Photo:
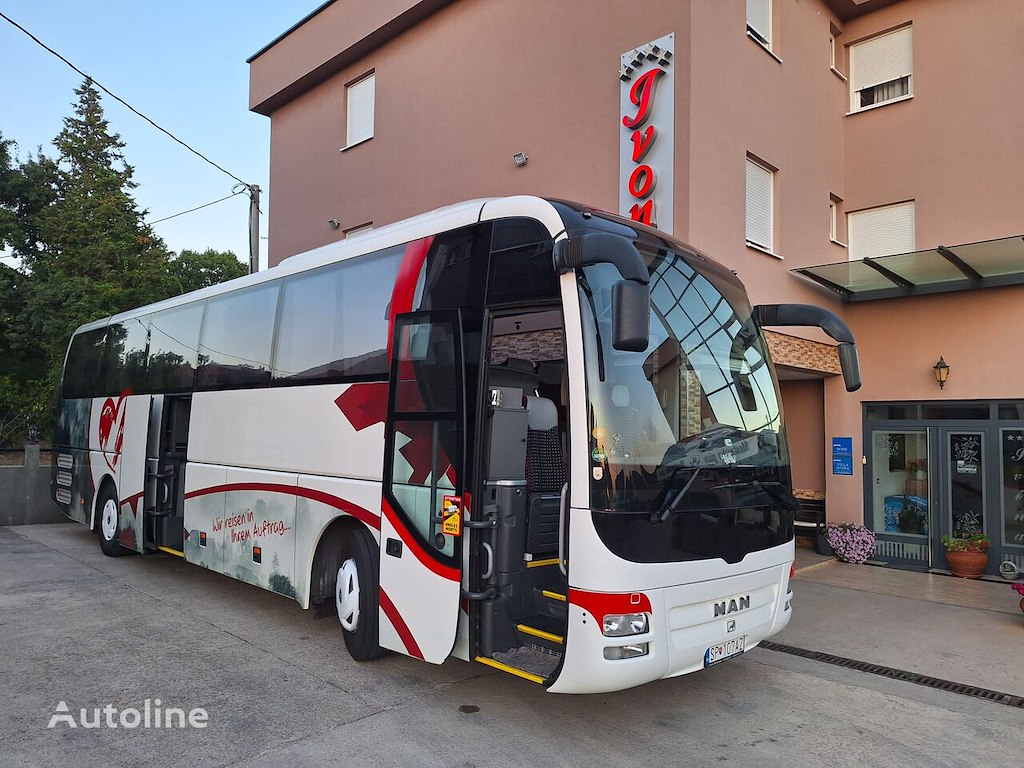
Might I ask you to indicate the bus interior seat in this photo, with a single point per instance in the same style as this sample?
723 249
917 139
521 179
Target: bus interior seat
545 476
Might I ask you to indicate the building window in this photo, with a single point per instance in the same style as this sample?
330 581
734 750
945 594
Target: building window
835 51
362 229
360 111
759 21
881 69
760 205
835 205
881 231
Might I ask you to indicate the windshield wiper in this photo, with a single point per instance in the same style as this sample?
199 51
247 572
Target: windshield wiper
672 500
773 488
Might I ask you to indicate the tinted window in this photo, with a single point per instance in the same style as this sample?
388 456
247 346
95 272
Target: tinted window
84 368
237 335
173 344
126 356
334 321
521 268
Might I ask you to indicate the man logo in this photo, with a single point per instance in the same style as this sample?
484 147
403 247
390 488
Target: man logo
730 625
731 606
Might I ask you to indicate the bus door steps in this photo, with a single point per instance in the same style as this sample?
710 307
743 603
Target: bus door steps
551 602
545 631
529 662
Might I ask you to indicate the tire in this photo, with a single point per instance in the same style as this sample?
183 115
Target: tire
108 509
355 595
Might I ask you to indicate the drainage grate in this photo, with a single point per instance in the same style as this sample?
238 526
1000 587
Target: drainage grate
899 674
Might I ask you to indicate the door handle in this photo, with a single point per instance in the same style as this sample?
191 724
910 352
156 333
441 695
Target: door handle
562 501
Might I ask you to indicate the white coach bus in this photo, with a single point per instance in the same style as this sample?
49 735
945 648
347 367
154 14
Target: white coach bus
514 431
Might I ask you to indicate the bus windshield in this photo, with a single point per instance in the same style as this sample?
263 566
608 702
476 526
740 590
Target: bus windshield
691 424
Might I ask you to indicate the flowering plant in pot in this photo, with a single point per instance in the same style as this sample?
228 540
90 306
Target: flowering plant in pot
852 542
967 555
1018 587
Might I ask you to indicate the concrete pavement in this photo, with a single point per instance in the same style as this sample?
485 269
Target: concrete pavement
963 630
280 689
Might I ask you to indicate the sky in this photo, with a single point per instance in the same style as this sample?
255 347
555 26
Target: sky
182 64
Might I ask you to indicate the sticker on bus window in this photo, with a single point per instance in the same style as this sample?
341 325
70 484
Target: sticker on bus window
451 516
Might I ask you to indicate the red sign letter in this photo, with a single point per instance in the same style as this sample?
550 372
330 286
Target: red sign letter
642 143
641 181
643 213
642 95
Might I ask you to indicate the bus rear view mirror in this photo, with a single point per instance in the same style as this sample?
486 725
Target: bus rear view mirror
829 322
631 310
631 296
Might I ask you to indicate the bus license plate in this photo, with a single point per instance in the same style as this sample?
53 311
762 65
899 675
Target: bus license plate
726 650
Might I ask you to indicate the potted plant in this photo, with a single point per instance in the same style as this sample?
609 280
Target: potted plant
967 555
852 542
1019 589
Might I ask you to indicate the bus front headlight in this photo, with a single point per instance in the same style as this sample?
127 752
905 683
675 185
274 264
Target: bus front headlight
624 624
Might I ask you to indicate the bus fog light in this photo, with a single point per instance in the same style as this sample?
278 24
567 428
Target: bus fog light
623 624
616 652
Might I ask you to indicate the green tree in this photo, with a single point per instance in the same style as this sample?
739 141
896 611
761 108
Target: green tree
194 270
85 251
96 254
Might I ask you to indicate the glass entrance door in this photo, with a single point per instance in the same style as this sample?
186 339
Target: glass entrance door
900 494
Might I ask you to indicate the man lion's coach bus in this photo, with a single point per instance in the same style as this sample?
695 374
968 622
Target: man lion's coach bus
516 431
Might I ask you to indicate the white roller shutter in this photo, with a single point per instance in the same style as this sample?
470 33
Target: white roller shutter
759 205
881 231
360 110
882 59
759 19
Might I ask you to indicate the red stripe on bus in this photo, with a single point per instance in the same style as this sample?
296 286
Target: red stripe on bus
400 626
444 571
330 500
402 294
600 604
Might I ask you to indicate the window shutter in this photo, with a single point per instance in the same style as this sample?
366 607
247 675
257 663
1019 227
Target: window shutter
360 110
882 59
759 205
759 18
881 231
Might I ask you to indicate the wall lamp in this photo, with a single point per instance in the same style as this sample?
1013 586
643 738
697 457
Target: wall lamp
941 369
333 223
519 158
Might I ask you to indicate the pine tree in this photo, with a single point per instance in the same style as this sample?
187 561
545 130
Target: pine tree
96 256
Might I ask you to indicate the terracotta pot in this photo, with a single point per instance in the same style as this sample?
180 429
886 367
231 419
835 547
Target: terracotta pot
968 565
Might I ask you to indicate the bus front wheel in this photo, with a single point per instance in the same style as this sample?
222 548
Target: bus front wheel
107 508
355 595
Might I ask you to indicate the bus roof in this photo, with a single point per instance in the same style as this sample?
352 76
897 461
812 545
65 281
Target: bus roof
439 220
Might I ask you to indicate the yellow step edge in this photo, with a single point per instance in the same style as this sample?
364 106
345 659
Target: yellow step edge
510 670
170 551
540 633
542 563
553 595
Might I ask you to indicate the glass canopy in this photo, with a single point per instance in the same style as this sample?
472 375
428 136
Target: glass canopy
985 264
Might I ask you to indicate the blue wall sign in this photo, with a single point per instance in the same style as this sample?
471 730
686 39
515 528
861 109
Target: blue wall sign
842 455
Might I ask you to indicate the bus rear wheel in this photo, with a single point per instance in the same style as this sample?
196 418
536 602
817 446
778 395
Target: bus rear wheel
107 508
355 595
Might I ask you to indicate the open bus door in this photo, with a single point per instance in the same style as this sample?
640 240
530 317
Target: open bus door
423 500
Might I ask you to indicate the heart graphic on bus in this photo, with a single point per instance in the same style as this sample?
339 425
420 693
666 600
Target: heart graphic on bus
111 429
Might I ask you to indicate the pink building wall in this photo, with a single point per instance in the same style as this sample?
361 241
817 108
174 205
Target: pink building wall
462 86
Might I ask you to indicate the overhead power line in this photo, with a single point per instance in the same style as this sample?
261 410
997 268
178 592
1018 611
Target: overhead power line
117 98
197 208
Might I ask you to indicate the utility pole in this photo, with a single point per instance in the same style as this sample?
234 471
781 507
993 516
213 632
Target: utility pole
254 228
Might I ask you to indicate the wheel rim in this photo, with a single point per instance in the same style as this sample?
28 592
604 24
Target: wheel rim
346 596
108 520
